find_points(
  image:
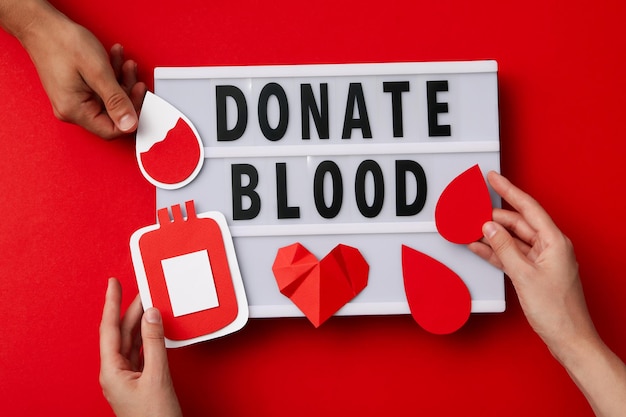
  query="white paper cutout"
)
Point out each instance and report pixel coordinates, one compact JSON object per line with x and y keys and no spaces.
{"x":167,"y":155}
{"x":190,"y":283}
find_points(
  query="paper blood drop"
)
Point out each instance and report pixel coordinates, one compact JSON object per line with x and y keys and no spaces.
{"x":320,"y":288}
{"x":168,"y":147}
{"x":438,"y":298}
{"x":175,"y":158}
{"x":463,"y":207}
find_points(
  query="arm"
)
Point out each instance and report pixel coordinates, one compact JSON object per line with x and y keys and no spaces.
{"x":539,"y":259}
{"x":134,"y":386}
{"x":83,"y":85}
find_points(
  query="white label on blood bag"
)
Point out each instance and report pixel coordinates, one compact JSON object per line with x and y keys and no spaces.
{"x":190,"y":283}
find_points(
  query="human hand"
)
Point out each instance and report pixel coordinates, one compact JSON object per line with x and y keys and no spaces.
{"x":539,"y":259}
{"x":134,"y":386}
{"x":83,"y":85}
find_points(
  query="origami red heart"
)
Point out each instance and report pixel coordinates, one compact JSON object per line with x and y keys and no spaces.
{"x":320,"y":288}
{"x":438,"y":298}
{"x":463,"y":207}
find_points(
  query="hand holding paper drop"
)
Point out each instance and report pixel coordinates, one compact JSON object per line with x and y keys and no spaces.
{"x":169,"y":150}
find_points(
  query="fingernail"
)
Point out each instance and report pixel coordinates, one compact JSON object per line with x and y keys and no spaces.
{"x":127,"y":122}
{"x":152,"y":316}
{"x":489,"y":230}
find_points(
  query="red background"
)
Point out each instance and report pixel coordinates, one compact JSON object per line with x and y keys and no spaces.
{"x":70,"y":201}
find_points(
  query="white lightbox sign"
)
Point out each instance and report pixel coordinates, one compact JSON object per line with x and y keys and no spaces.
{"x":354,"y":154}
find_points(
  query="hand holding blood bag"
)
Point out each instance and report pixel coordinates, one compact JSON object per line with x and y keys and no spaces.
{"x":188,"y":270}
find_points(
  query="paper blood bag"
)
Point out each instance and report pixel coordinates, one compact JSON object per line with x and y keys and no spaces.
{"x":187,"y":268}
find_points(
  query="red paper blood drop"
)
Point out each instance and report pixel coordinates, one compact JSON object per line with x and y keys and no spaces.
{"x":463,"y":207}
{"x":438,"y":298}
{"x":168,"y":147}
{"x":175,"y":158}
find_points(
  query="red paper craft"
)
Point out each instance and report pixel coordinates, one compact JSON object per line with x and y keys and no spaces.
{"x":168,"y":147}
{"x":438,"y":298}
{"x":192,"y":258}
{"x":463,"y":207}
{"x":320,"y":288}
{"x":174,"y":159}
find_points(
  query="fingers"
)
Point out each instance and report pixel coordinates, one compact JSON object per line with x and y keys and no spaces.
{"x":118,"y":105}
{"x":130,"y":328}
{"x":137,"y":94}
{"x":110,"y":338}
{"x":120,"y":339}
{"x":126,"y":73}
{"x":129,"y":75}
{"x":88,"y":112}
{"x":111,"y":82}
{"x":529,"y":209}
{"x":509,"y":257}
{"x":154,"y":351}
{"x":484,"y":251}
{"x":117,"y":60}
{"x":122,"y":97}
{"x":516,"y":224}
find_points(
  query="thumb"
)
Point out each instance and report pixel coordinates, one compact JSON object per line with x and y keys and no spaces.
{"x":154,"y":351}
{"x":118,"y":105}
{"x":505,"y":249}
